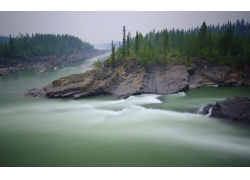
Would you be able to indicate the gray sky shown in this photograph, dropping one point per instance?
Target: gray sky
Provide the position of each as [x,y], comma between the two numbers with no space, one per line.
[104,26]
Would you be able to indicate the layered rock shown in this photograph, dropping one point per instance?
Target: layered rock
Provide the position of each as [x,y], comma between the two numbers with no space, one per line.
[209,76]
[127,78]
[219,75]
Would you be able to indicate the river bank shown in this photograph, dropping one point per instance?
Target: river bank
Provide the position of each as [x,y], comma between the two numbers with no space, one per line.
[45,63]
[128,78]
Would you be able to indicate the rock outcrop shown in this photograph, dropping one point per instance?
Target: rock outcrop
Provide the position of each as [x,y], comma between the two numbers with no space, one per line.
[219,75]
[209,76]
[234,109]
[126,79]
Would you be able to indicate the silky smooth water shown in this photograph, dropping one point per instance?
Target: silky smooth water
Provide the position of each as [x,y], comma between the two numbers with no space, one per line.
[145,130]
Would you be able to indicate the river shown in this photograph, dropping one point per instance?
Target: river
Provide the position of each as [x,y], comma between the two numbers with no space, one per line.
[144,130]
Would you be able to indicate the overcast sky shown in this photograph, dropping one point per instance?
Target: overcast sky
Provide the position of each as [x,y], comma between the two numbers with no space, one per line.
[104,26]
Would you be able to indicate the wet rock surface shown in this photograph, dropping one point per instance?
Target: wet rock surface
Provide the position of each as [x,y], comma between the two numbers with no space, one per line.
[233,109]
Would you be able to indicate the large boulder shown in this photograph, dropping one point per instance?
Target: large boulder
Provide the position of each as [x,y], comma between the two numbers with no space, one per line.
[233,109]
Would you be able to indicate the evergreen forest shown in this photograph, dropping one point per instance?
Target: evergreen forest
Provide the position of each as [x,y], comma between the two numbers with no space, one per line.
[41,45]
[226,44]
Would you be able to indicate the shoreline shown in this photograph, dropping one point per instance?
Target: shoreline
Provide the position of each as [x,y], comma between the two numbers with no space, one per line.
[45,63]
[128,78]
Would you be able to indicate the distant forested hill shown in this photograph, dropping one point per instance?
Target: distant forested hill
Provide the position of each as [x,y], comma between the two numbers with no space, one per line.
[107,45]
[42,45]
[239,28]
[4,39]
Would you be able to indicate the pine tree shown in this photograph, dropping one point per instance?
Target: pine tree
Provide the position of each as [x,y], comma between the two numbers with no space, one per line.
[112,53]
[227,41]
[203,36]
[128,43]
[166,44]
[124,43]
[136,43]
[11,45]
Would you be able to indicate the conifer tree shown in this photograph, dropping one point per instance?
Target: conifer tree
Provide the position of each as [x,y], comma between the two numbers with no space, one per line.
[124,43]
[227,41]
[203,36]
[166,44]
[113,54]
[11,45]
[128,43]
[136,43]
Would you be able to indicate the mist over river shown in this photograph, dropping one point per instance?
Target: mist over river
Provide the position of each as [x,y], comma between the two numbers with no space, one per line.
[143,130]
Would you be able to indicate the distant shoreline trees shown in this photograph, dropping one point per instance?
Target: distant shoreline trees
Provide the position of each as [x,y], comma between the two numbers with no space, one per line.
[42,45]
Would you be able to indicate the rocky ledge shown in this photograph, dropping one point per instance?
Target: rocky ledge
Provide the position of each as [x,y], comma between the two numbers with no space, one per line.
[45,63]
[233,109]
[205,74]
[128,78]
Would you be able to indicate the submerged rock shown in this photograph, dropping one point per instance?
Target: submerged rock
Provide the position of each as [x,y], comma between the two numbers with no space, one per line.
[36,92]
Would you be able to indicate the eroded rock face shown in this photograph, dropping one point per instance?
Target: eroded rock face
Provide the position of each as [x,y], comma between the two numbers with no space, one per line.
[209,76]
[126,79]
[234,109]
[206,74]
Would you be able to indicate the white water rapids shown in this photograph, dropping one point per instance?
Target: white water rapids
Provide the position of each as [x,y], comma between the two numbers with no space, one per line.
[144,130]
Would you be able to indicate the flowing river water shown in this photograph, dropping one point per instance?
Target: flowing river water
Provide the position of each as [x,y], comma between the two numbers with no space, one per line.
[144,130]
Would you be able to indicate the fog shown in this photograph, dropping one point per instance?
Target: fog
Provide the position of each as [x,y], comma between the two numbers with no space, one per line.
[104,26]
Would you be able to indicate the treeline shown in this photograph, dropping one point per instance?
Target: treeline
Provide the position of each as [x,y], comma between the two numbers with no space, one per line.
[41,45]
[239,28]
[4,39]
[219,45]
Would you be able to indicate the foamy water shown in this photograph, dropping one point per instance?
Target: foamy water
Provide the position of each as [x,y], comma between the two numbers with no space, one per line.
[144,130]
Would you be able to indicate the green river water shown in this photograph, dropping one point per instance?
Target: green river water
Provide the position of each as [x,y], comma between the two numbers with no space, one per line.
[145,130]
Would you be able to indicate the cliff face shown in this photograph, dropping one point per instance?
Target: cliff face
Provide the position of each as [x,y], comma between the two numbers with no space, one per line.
[128,78]
[218,75]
